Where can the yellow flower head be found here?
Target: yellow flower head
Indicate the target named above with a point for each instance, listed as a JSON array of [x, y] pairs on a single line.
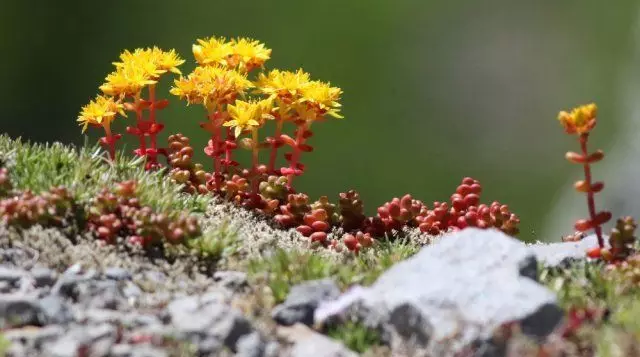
[[321, 98], [127, 80], [248, 115], [247, 54], [101, 112], [153, 61], [167, 61], [581, 119], [212, 51], [284, 85], [211, 86]]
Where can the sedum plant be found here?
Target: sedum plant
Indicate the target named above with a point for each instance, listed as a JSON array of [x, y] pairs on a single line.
[[580, 121], [241, 99]]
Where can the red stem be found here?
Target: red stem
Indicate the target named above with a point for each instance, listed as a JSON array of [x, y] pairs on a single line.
[[274, 146], [143, 145], [590, 200], [152, 112], [254, 161], [228, 153], [296, 151]]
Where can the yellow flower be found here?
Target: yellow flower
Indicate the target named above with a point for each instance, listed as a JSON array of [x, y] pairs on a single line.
[[212, 51], [153, 61], [248, 115], [247, 54], [322, 99], [581, 119], [284, 85], [127, 80], [101, 111], [211, 86], [167, 60]]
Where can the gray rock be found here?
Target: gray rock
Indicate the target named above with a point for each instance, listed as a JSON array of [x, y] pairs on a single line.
[[117, 273], [10, 275], [5, 287], [34, 337], [251, 345], [19, 310], [99, 316], [148, 351], [302, 301], [306, 342], [561, 254], [232, 280], [55, 309], [465, 285], [122, 350], [102, 337], [103, 294], [72, 344], [43, 276], [201, 317]]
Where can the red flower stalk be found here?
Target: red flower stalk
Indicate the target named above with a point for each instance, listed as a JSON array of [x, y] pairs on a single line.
[[214, 148], [581, 121], [298, 145]]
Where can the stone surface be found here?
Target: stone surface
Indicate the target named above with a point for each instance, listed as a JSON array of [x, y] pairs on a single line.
[[306, 342], [10, 275], [232, 280], [302, 301], [556, 254], [117, 273], [454, 293], [55, 309], [201, 317], [19, 310]]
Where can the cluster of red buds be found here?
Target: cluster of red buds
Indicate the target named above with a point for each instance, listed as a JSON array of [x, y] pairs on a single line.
[[26, 209], [119, 213], [465, 210], [621, 241], [183, 170]]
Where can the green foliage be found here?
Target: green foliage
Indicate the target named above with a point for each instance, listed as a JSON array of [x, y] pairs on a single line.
[[355, 336], [593, 286], [4, 345], [218, 243], [86, 171], [284, 268]]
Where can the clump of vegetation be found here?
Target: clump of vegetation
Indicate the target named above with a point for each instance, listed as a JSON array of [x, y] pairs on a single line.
[[118, 213], [240, 102], [109, 215]]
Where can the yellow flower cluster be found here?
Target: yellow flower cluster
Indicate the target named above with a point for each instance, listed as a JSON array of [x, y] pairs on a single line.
[[100, 112], [221, 78], [212, 86], [249, 115], [138, 69], [242, 54], [581, 119]]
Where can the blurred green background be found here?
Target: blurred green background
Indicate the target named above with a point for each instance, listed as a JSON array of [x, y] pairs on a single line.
[[433, 90]]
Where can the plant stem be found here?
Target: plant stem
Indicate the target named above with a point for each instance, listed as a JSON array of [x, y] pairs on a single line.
[[228, 153], [295, 156], [590, 200], [143, 145], [254, 161], [152, 112], [274, 145], [110, 141]]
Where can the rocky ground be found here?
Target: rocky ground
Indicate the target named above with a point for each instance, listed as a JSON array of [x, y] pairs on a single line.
[[59, 298], [245, 288]]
